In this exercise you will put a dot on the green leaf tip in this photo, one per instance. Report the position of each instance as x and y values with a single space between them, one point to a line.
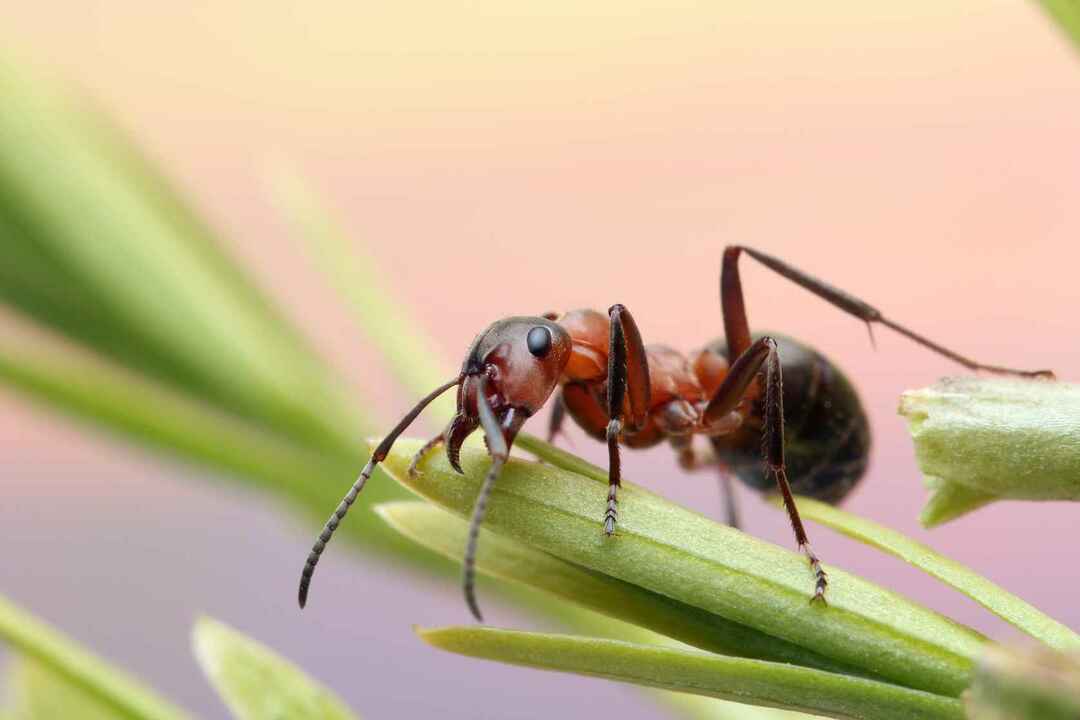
678 554
257 684
742 680
978 440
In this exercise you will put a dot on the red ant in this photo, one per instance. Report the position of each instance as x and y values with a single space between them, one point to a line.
620 391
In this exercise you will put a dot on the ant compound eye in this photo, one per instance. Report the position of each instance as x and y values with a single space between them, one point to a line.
539 341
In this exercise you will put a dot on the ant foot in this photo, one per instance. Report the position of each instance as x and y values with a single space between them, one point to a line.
612 513
821 577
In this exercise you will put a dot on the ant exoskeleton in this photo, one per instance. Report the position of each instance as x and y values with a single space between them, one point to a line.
620 391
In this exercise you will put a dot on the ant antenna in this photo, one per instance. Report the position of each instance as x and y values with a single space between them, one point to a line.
350 497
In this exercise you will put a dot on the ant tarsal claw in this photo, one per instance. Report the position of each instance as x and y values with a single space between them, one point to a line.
820 576
612 513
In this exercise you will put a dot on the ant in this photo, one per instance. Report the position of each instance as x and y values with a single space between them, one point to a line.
623 392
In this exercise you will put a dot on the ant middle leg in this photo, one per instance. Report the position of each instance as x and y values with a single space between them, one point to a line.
738 332
741 383
692 458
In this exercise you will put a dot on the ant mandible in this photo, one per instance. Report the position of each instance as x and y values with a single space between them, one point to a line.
620 391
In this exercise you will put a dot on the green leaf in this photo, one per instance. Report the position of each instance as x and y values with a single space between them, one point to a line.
36 693
67 662
994 598
1025 685
1067 14
115 260
978 440
504 558
257 684
155 415
673 552
754 682
409 353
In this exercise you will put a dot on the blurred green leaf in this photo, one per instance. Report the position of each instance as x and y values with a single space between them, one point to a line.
673 552
1025 685
994 598
257 684
409 352
105 253
754 682
142 410
66 662
1067 14
984 439
507 559
38 694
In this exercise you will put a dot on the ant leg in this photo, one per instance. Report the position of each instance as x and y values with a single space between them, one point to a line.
422 452
499 439
691 458
727 492
738 333
728 398
555 422
628 385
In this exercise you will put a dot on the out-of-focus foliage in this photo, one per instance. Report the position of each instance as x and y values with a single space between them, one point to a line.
1067 14
54 673
1032 684
257 684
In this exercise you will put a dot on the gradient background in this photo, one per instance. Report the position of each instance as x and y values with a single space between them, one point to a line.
504 158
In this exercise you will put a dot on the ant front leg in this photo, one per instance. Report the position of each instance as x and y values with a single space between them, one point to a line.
628 386
738 331
728 398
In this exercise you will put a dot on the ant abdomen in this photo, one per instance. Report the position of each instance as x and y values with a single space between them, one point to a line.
826 432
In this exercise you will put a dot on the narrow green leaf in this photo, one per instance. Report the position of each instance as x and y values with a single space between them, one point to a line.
36 693
995 438
257 684
504 558
139 283
152 414
1025 685
753 682
994 598
1067 15
673 552
409 352
108 686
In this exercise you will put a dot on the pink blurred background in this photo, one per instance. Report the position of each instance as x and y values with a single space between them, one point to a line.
923 156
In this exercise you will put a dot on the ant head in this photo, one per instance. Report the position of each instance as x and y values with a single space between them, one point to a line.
521 360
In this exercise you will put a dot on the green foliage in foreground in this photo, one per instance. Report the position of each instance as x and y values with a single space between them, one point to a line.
979 440
669 570
53 677
255 683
